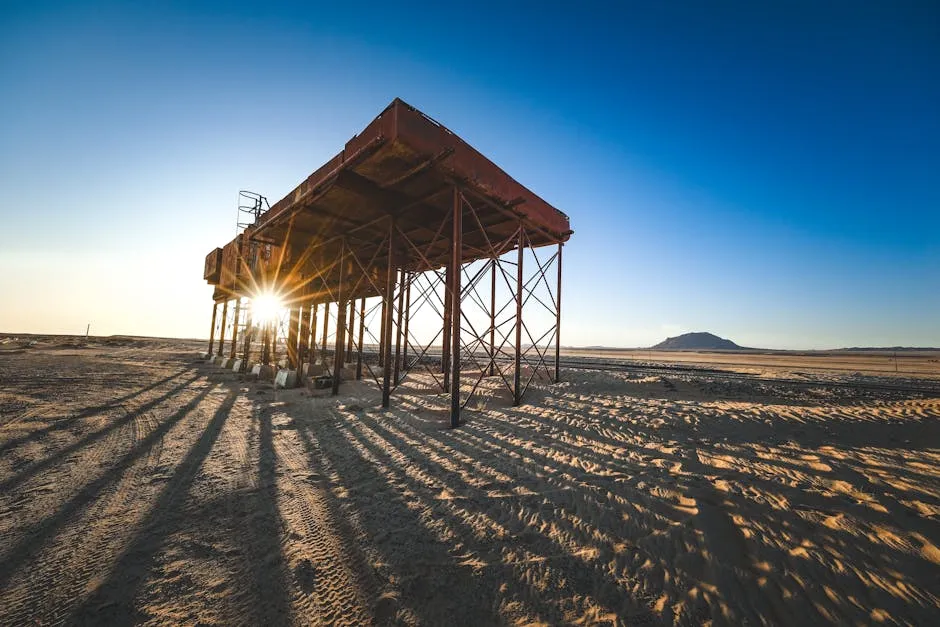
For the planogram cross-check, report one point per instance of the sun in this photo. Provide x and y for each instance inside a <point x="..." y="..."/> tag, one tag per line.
<point x="266" y="307"/>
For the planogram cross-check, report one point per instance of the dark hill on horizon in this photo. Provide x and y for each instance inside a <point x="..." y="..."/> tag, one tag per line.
<point x="697" y="342"/>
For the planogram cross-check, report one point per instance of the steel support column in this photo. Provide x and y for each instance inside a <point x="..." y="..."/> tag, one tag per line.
<point x="293" y="329"/>
<point x="303" y="347"/>
<point x="312" y="358"/>
<point x="448" y="323"/>
<point x="558" y="319"/>
<point x="401" y="307"/>
<point x="456" y="261"/>
<point x="362" y="328"/>
<point x="351" y="327"/>
<point x="215" y="309"/>
<point x="222" y="328"/>
<point x="236" y="313"/>
<point x="326" y="325"/>
<point x="382" y="333"/>
<point x="265" y="343"/>
<point x="389" y="306"/>
<point x="492" y="371"/>
<point x="249" y="335"/>
<point x="517" y="375"/>
<point x="340" y="339"/>
<point x="404" y="348"/>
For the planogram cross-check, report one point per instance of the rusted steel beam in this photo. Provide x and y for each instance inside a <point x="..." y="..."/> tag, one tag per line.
<point x="517" y="375"/>
<point x="421" y="167"/>
<point x="388" y="298"/>
<point x="456" y="263"/>
<point x="215" y="308"/>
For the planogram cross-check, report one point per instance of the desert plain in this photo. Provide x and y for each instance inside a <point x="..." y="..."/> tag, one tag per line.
<point x="141" y="485"/>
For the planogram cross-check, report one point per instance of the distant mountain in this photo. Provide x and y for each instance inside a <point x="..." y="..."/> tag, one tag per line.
<point x="697" y="342"/>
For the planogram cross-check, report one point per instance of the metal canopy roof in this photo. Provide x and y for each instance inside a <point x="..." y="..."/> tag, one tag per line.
<point x="404" y="168"/>
<point x="403" y="164"/>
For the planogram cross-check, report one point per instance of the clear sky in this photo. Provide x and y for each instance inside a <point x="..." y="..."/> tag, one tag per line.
<point x="767" y="171"/>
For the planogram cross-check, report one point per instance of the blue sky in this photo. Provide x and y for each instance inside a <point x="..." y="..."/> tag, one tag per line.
<point x="767" y="173"/>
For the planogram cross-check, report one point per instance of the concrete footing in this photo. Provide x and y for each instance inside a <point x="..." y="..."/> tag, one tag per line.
<point x="285" y="379"/>
<point x="264" y="373"/>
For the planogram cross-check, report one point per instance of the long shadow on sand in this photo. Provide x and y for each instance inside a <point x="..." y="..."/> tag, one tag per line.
<point x="777" y="533"/>
<point x="113" y="601"/>
<point x="65" y="423"/>
<point x="62" y="454"/>
<point x="29" y="546"/>
<point x="368" y="477"/>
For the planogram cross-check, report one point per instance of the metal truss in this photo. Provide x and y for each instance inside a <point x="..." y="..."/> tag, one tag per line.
<point x="396" y="308"/>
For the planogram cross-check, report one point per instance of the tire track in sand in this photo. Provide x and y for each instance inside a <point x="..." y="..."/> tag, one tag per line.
<point x="71" y="551"/>
<point x="329" y="587"/>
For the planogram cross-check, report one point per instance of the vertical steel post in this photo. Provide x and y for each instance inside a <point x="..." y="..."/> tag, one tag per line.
<point x="312" y="358"/>
<point x="222" y="328"/>
<point x="275" y="327"/>
<point x="495" y="261"/>
<point x="558" y="319"/>
<point x="266" y="342"/>
<point x="293" y="324"/>
<point x="401" y="307"/>
<point x="215" y="308"/>
<point x="517" y="375"/>
<point x="326" y="324"/>
<point x="340" y="339"/>
<point x="448" y="324"/>
<point x="362" y="328"/>
<point x="351" y="327"/>
<point x="238" y="307"/>
<point x="303" y="346"/>
<point x="249" y="336"/>
<point x="388" y="310"/>
<point x="382" y="333"/>
<point x="404" y="348"/>
<point x="456" y="261"/>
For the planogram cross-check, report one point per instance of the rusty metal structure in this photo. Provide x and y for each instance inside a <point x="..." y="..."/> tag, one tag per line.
<point x="408" y="254"/>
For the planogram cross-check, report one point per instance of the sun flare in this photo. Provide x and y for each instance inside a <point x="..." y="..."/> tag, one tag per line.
<point x="266" y="307"/>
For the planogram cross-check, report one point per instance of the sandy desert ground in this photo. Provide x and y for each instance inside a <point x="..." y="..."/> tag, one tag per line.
<point x="139" y="484"/>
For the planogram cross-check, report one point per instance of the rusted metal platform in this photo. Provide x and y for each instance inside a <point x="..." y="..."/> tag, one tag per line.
<point x="406" y="202"/>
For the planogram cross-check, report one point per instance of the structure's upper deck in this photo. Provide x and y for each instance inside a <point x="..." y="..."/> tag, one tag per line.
<point x="404" y="164"/>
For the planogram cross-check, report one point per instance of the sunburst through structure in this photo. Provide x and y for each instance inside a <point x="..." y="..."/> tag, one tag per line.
<point x="408" y="252"/>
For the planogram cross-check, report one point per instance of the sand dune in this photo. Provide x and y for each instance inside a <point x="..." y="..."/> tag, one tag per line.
<point x="165" y="491"/>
